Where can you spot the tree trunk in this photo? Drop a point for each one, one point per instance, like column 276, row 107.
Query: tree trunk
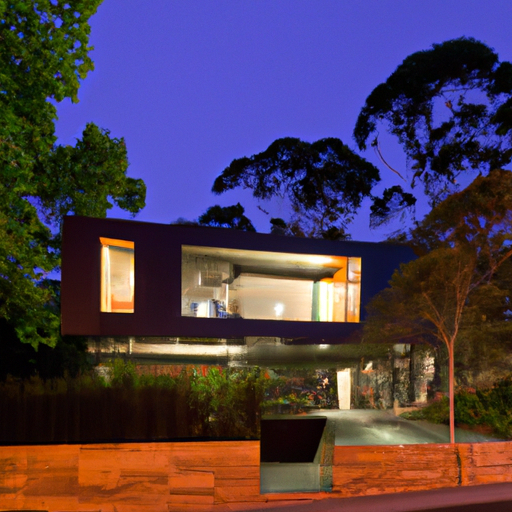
column 451, row 391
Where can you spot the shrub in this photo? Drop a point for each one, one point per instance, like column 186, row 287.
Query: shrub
column 438, row 411
column 490, row 408
column 468, row 409
column 127, row 406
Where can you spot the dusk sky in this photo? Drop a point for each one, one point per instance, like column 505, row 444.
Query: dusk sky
column 192, row 85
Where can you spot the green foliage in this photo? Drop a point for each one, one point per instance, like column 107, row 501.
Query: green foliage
column 126, row 404
column 468, row 409
column 123, row 373
column 424, row 301
column 496, row 405
column 436, row 412
column 394, row 201
column 459, row 287
column 226, row 217
column 484, row 342
column 324, row 181
column 91, row 178
column 453, row 290
column 68, row 356
column 478, row 218
column 228, row 401
column 44, row 56
column 450, row 108
column 487, row 408
column 292, row 390
column 278, row 226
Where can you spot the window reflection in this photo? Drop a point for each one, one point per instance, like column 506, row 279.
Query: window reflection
column 117, row 276
column 260, row 285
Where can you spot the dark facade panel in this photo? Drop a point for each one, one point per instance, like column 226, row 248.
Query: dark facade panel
column 157, row 307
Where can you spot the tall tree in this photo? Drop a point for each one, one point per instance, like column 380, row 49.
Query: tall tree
column 44, row 55
column 464, row 241
column 325, row 182
column 450, row 107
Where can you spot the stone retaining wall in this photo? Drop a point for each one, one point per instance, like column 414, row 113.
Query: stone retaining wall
column 148, row 477
column 223, row 475
column 365, row 470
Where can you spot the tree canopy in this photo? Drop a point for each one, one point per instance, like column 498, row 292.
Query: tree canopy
column 226, row 217
column 44, row 56
column 325, row 182
column 454, row 285
column 450, row 108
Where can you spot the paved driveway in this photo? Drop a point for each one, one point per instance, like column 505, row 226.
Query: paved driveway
column 360, row 427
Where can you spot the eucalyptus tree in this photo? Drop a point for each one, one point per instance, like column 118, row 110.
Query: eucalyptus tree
column 463, row 243
column 450, row 109
column 324, row 182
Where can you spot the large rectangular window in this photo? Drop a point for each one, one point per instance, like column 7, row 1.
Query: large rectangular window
column 117, row 276
column 261, row 285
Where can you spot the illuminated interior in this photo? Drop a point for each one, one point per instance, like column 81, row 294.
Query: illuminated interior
column 261, row 285
column 117, row 276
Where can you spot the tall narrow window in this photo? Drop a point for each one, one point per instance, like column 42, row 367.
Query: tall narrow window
column 117, row 276
column 325, row 299
column 353, row 289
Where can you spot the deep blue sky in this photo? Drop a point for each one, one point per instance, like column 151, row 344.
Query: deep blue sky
column 192, row 85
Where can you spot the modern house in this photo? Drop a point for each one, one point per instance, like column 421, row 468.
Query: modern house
column 174, row 294
column 133, row 279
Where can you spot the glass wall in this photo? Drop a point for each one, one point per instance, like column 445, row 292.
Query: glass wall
column 260, row 285
column 117, row 276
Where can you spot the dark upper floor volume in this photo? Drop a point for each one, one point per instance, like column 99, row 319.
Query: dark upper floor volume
column 126, row 278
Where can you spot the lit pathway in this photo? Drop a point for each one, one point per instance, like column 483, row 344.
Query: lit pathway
column 378, row 427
